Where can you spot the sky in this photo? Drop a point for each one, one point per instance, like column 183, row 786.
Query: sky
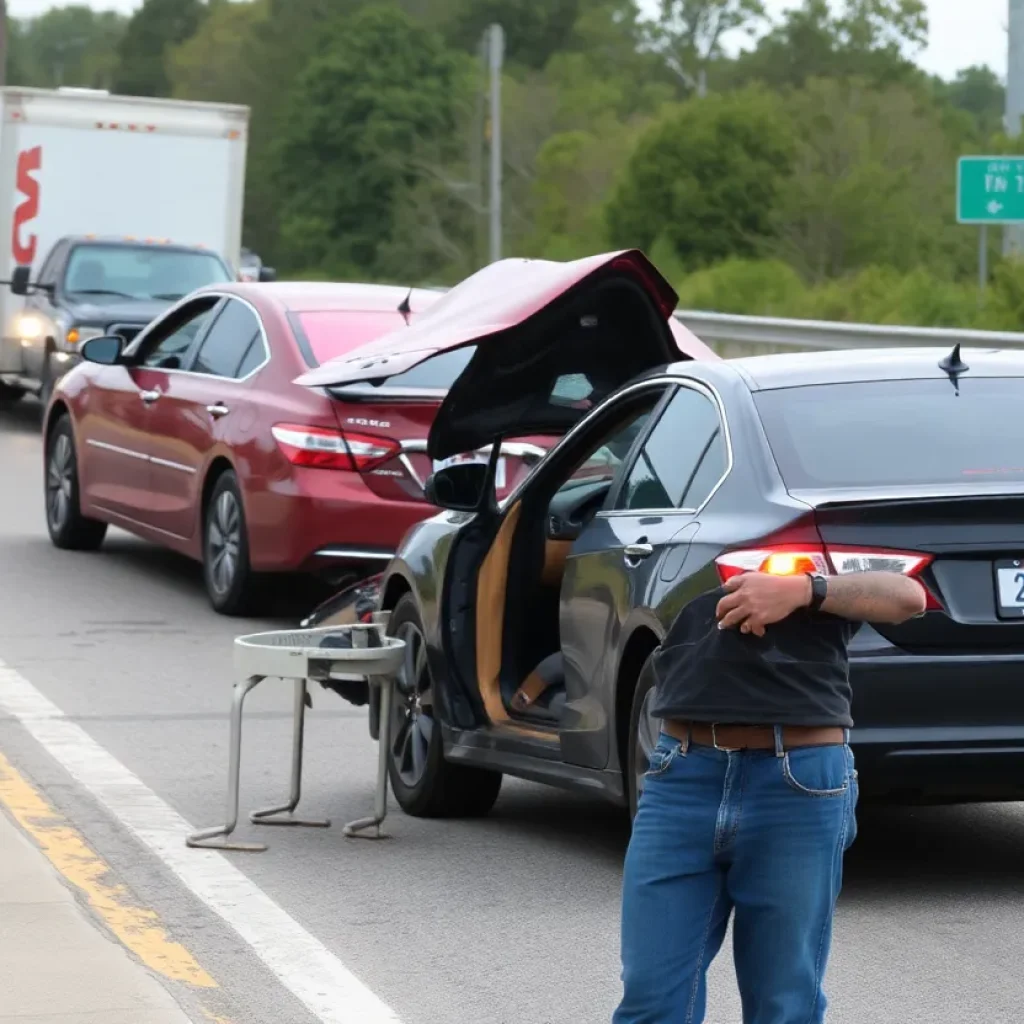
column 963, row 32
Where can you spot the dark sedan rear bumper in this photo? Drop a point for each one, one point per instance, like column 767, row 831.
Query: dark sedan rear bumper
column 938, row 727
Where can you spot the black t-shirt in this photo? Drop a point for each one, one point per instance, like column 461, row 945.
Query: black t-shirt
column 796, row 674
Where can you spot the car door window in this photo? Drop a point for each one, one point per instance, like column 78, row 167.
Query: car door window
column 233, row 342
column 683, row 458
column 168, row 345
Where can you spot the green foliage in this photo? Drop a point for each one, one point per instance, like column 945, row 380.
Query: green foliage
column 154, row 28
column 862, row 38
column 876, row 295
column 357, row 119
column 811, row 174
column 73, row 46
column 872, row 181
column 706, row 178
column 534, row 29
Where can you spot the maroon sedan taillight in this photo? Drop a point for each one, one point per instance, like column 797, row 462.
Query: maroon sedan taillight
column 323, row 448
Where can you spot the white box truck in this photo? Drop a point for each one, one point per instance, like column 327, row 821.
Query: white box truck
column 142, row 183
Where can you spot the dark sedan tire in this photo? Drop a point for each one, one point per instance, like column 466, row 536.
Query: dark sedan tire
column 424, row 783
column 68, row 528
column 643, row 736
column 232, row 586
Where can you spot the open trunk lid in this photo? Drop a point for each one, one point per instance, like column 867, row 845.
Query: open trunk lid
column 549, row 341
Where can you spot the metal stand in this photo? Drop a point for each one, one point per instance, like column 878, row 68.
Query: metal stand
column 357, row 829
column 283, row 655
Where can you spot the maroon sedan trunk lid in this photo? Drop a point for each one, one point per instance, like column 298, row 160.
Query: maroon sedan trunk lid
column 550, row 341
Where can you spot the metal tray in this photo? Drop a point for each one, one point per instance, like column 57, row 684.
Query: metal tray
column 303, row 653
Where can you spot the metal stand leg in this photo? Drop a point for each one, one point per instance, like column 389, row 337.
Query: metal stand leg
column 210, row 838
column 356, row 829
column 265, row 817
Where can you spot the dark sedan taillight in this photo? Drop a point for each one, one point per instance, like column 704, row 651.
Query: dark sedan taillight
column 323, row 448
column 795, row 560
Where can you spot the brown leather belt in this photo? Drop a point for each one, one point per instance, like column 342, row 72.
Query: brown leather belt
column 753, row 737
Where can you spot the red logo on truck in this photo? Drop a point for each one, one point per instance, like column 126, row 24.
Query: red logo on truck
column 30, row 161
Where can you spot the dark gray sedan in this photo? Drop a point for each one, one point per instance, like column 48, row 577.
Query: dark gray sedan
column 530, row 622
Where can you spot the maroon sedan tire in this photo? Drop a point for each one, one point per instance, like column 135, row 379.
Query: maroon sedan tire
column 233, row 588
column 68, row 528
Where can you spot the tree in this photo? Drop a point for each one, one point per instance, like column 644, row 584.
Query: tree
column 978, row 92
column 534, row 29
column 216, row 62
column 688, row 33
column 705, row 180
column 869, row 39
column 72, row 45
column 155, row 27
column 871, row 182
column 357, row 120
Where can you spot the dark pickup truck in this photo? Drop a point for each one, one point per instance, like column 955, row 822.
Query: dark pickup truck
column 88, row 287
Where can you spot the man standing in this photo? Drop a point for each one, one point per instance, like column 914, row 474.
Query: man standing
column 748, row 804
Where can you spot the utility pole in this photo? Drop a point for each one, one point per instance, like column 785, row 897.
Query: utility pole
column 496, row 53
column 1013, row 235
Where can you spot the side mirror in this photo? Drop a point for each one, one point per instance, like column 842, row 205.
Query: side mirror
column 459, row 487
column 106, row 350
column 21, row 280
column 267, row 274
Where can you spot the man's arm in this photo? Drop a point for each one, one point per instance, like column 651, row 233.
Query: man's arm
column 874, row 597
column 756, row 600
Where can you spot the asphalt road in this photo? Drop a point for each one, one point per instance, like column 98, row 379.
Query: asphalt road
column 512, row 919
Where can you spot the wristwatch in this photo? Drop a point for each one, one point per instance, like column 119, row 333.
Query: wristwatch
column 819, row 591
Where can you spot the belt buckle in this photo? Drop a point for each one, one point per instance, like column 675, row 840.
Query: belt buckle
column 714, row 742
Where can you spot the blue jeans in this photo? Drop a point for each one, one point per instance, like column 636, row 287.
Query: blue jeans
column 756, row 834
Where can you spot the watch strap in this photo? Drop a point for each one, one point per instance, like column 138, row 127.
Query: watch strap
column 819, row 591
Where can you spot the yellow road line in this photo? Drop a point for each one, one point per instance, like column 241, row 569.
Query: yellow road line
column 136, row 927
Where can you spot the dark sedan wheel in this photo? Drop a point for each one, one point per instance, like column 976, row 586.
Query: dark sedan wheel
column 644, row 730
column 424, row 783
column 230, row 582
column 68, row 528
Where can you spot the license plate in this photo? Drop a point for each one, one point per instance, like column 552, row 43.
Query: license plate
column 1010, row 588
column 473, row 458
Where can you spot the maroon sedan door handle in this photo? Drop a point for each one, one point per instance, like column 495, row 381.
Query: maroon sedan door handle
column 218, row 410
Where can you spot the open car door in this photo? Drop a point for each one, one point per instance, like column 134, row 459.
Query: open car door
column 550, row 341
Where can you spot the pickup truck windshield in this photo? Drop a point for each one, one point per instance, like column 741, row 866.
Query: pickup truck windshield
column 140, row 272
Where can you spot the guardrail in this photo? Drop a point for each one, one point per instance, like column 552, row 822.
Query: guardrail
column 755, row 335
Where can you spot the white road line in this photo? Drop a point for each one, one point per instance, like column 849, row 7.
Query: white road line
column 299, row 961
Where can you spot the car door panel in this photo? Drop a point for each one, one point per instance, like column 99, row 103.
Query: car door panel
column 113, row 444
column 620, row 565
column 603, row 583
column 198, row 413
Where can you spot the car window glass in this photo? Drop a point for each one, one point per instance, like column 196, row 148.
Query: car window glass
column 682, row 460
column 168, row 346
column 228, row 342
column 254, row 355
column 48, row 273
column 602, row 464
column 141, row 271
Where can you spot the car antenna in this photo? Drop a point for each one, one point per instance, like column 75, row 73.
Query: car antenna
column 405, row 308
column 954, row 366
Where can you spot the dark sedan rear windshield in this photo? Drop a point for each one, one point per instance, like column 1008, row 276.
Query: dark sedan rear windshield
column 917, row 433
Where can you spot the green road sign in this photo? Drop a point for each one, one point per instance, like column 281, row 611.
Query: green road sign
column 990, row 190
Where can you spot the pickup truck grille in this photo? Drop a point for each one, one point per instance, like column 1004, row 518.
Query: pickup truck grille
column 126, row 331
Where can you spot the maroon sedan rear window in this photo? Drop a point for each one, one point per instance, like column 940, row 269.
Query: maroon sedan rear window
column 332, row 333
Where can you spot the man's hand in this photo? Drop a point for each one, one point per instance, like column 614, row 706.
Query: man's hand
column 756, row 600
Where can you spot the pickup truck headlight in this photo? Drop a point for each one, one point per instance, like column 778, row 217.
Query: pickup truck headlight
column 29, row 327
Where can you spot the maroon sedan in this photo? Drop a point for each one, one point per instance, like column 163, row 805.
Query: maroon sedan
column 195, row 436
